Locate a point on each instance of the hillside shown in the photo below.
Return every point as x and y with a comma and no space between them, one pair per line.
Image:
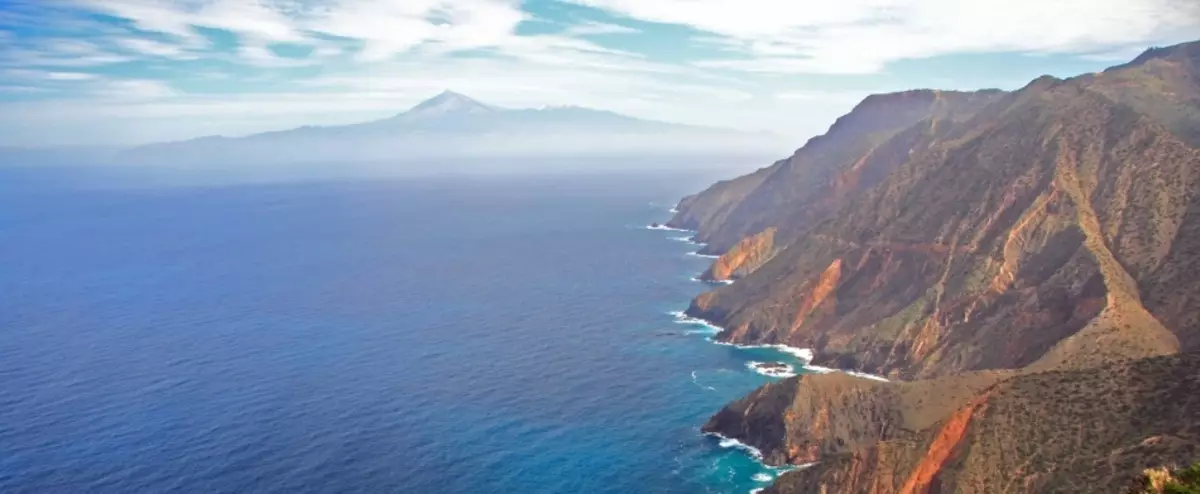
1022,266
860,149
1053,226
1085,431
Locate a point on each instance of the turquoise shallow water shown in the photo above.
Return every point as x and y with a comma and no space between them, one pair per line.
497,335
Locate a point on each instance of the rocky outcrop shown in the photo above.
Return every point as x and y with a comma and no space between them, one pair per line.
743,258
1083,431
805,419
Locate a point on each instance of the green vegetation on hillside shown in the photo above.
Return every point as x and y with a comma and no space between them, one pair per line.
1164,481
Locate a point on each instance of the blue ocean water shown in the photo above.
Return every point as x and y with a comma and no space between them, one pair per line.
434,335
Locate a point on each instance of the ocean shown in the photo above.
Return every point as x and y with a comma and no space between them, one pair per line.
449,335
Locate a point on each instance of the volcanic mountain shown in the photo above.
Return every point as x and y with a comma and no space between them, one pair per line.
450,126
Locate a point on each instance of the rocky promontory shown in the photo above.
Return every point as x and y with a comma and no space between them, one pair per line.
1086,431
743,258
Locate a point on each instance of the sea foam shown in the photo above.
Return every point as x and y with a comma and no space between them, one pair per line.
731,443
712,282
667,228
683,318
804,354
787,371
697,382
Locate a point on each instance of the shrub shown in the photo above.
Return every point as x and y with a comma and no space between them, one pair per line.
1162,481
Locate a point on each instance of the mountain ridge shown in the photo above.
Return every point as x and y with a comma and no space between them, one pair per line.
452,125
971,247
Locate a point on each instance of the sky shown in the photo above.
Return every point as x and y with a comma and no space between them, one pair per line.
126,72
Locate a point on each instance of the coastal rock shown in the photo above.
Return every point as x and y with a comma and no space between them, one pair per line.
804,419
1086,431
772,365
743,258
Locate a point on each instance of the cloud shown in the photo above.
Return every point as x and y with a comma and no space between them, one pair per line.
144,46
384,28
863,36
255,18
588,28
41,75
13,89
284,63
134,90
70,76
57,52
380,29
262,56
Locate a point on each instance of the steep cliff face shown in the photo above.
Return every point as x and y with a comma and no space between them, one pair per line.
1085,431
807,418
744,257
858,151
1045,227
1024,268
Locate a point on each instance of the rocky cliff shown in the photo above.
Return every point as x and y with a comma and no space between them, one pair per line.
1025,266
805,188
744,257
983,238
1092,430
804,419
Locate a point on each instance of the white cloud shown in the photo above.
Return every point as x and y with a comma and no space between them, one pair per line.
70,76
592,27
861,36
377,57
154,48
384,27
256,18
130,90
41,75
262,56
57,52
12,89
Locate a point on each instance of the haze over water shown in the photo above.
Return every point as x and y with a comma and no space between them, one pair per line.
433,335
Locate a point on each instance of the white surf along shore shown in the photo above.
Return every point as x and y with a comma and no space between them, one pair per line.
803,354
756,454
776,370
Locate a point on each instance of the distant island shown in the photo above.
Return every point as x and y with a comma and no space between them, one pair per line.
451,125
1024,268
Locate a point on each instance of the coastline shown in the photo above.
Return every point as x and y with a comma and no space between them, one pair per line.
794,361
726,442
806,355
